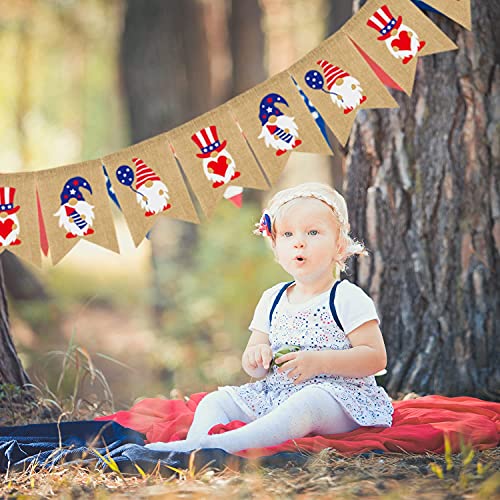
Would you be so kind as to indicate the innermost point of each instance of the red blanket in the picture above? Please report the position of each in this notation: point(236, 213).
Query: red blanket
point(419, 426)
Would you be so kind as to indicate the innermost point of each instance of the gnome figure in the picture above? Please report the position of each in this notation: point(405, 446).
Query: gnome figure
point(75, 214)
point(218, 164)
point(402, 42)
point(278, 130)
point(152, 193)
point(9, 223)
point(345, 90)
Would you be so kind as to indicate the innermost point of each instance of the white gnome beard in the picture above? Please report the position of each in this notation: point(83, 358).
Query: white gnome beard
point(414, 43)
point(12, 236)
point(284, 123)
point(349, 93)
point(86, 212)
point(212, 176)
point(154, 198)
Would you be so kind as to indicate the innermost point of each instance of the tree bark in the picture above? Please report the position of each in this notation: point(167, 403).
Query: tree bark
point(247, 45)
point(28, 294)
point(164, 65)
point(166, 76)
point(11, 369)
point(339, 12)
point(20, 282)
point(422, 192)
point(247, 40)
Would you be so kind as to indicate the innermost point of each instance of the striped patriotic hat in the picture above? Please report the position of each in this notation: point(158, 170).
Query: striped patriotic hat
point(208, 141)
point(332, 73)
point(7, 200)
point(143, 173)
point(384, 22)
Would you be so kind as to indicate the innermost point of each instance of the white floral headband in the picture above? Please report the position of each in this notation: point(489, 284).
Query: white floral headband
point(265, 225)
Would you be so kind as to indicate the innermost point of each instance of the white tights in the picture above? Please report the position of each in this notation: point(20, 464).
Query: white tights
point(310, 410)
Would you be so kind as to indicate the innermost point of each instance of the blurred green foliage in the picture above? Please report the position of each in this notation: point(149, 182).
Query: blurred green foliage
point(60, 85)
point(73, 286)
point(206, 333)
point(61, 103)
point(199, 342)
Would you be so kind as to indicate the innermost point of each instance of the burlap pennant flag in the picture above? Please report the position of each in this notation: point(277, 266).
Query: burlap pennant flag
point(458, 10)
point(19, 231)
point(339, 82)
point(394, 33)
point(214, 155)
point(75, 206)
point(148, 182)
point(276, 121)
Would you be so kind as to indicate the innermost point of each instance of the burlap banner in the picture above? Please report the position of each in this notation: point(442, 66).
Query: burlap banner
point(75, 206)
point(19, 232)
point(148, 183)
point(339, 82)
point(276, 121)
point(220, 151)
point(393, 33)
point(458, 10)
point(214, 155)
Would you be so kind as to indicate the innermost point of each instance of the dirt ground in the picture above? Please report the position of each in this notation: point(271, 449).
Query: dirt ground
point(467, 475)
point(328, 475)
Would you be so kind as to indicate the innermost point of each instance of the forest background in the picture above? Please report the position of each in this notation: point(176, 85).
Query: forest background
point(170, 317)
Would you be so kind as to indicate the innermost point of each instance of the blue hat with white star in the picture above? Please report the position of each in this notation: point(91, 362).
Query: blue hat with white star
point(268, 107)
point(72, 189)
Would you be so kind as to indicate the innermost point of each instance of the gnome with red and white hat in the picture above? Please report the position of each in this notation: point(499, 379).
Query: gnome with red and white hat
point(402, 42)
point(345, 90)
point(151, 192)
point(218, 164)
point(9, 222)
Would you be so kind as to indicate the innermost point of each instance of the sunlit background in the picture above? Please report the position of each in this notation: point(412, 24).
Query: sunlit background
point(63, 101)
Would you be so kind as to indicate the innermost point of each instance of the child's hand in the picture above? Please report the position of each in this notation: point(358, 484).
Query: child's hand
point(284, 350)
point(259, 355)
point(301, 364)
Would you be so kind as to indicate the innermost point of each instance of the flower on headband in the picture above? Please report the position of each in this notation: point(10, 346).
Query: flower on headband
point(265, 227)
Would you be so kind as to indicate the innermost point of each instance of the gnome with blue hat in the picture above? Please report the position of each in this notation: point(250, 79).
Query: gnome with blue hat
point(278, 130)
point(75, 214)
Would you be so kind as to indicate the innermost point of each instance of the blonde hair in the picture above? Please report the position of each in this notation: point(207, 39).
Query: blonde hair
point(330, 197)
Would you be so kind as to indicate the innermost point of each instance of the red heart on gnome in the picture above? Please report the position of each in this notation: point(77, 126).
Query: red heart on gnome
point(6, 228)
point(403, 42)
point(218, 167)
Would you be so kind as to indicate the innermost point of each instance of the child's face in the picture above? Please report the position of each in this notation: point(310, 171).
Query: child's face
point(306, 243)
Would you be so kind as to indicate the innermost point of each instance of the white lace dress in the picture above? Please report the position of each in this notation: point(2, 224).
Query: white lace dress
point(311, 326)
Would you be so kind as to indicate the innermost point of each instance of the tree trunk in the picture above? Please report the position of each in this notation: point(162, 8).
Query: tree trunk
point(164, 65)
point(247, 45)
point(28, 295)
point(422, 191)
point(247, 54)
point(20, 282)
point(11, 369)
point(339, 12)
point(166, 75)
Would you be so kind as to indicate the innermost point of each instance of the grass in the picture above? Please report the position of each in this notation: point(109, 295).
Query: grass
point(326, 475)
point(391, 476)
